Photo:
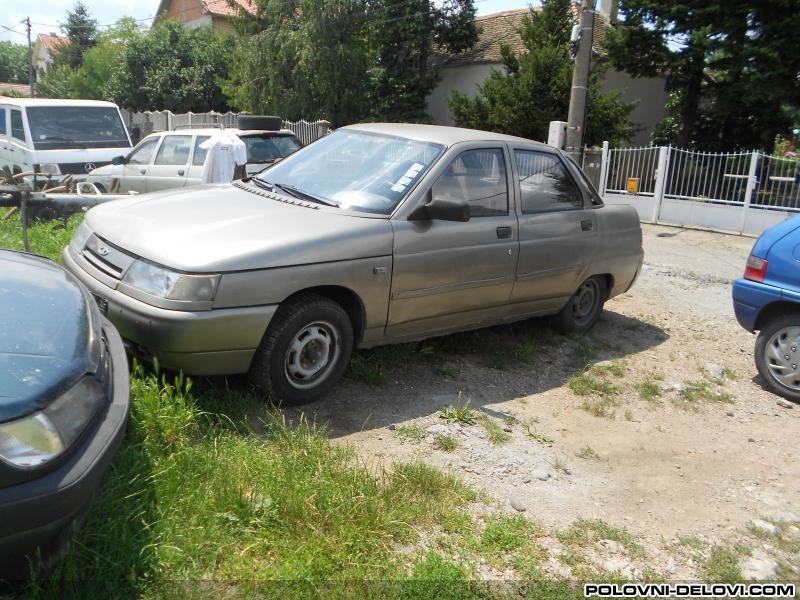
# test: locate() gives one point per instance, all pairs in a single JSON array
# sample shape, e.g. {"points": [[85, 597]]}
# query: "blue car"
{"points": [[767, 299]]}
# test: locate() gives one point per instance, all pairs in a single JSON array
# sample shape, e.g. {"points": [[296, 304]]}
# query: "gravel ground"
{"points": [[682, 447]]}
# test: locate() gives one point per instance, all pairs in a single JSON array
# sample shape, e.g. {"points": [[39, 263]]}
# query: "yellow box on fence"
{"points": [[633, 185]]}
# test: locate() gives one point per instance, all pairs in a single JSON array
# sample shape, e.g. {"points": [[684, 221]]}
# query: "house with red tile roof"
{"points": [[47, 44], [199, 13]]}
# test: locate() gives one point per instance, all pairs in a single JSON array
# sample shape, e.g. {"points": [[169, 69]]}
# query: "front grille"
{"points": [[106, 258], [80, 168]]}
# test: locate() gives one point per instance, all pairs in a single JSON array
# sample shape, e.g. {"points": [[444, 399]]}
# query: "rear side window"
{"points": [[17, 128], [2, 121], [174, 150], [199, 153], [544, 183]]}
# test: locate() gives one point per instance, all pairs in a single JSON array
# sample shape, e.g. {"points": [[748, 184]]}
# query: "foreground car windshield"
{"points": [[356, 170]]}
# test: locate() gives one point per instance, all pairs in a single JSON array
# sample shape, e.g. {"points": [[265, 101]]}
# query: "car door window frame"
{"points": [[161, 146], [12, 134], [196, 147], [157, 141], [582, 196], [419, 194]]}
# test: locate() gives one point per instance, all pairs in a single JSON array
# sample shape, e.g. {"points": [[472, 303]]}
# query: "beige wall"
{"points": [[464, 78], [184, 10], [648, 93], [651, 100]]}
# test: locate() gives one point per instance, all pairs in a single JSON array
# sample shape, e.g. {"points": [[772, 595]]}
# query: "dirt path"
{"points": [[691, 460]]}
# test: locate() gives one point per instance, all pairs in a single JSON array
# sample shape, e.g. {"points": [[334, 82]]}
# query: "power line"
{"points": [[14, 30]]}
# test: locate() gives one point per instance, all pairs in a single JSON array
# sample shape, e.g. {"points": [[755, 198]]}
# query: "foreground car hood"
{"points": [[44, 333], [222, 227]]}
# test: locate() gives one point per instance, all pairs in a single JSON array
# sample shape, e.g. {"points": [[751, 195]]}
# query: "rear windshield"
{"points": [[57, 127], [266, 148]]}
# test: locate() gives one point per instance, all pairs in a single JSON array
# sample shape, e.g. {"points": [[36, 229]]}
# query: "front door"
{"points": [[130, 177], [450, 275], [557, 230]]}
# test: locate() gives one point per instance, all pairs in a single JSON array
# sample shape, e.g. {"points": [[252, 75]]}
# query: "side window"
{"points": [[199, 153], [142, 154], [545, 183], [2, 121], [174, 150], [17, 129], [479, 177]]}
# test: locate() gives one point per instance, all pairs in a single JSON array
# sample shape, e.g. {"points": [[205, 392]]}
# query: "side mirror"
{"points": [[118, 160], [441, 209]]}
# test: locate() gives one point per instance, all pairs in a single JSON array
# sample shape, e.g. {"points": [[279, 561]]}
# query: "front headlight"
{"points": [[48, 169], [42, 436], [80, 237], [168, 284]]}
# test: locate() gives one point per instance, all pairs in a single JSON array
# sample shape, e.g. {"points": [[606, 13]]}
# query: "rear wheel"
{"points": [[305, 351], [583, 308], [777, 356]]}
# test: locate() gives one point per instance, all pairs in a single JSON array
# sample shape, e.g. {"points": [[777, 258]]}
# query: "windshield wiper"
{"points": [[58, 138], [298, 193]]}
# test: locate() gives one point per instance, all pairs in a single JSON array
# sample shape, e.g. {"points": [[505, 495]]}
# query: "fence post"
{"points": [[661, 182], [750, 189], [603, 169]]}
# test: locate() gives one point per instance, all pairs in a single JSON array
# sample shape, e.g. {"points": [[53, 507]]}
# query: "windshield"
{"points": [[356, 170], [55, 127], [266, 148]]}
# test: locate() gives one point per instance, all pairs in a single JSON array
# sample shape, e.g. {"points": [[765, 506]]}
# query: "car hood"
{"points": [[235, 227], [45, 333]]}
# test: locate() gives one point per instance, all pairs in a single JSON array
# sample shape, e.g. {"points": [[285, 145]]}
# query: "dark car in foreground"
{"points": [[64, 396], [767, 299]]}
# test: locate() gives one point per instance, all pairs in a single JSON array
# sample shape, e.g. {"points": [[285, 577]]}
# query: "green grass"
{"points": [[459, 413], [722, 565], [494, 432], [446, 443], [588, 453], [648, 390], [586, 384], [587, 531], [412, 432], [46, 239], [697, 392]]}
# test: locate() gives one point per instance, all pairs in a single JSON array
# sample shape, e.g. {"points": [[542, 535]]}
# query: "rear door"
{"points": [[171, 165], [194, 175], [557, 229]]}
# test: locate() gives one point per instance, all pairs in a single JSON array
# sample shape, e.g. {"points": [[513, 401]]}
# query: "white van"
{"points": [[59, 137]]}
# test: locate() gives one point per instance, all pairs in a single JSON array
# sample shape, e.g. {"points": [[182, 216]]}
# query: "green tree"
{"points": [[13, 63], [345, 60], [732, 68], [534, 86], [173, 68], [81, 31]]}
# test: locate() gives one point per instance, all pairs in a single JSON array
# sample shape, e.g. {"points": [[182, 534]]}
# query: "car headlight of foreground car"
{"points": [[44, 435], [164, 283]]}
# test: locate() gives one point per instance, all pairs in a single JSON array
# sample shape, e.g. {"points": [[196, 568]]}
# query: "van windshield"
{"points": [[56, 127]]}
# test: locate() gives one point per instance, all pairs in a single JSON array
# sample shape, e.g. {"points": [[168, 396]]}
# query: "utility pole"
{"points": [[580, 81], [30, 54]]}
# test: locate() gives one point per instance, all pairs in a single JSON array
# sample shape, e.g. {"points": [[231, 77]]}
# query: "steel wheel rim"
{"points": [[585, 301], [782, 357], [312, 354]]}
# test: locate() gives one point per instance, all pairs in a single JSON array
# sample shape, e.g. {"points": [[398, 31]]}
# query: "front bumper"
{"points": [[37, 517], [209, 342], [750, 298]]}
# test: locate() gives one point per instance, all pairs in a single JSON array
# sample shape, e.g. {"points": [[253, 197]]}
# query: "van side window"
{"points": [[2, 121], [17, 129]]}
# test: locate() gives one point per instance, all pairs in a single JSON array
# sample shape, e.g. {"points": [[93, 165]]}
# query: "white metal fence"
{"points": [[745, 192], [141, 124]]}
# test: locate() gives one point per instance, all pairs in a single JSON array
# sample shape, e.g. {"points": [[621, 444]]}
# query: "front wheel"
{"points": [[777, 356], [583, 308], [304, 352]]}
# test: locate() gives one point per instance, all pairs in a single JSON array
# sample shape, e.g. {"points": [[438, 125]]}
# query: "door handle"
{"points": [[586, 225], [504, 232], [142, 171], [181, 172]]}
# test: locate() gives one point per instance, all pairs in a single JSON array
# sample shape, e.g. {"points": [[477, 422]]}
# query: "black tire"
{"points": [[267, 123], [583, 309], [316, 324], [779, 338]]}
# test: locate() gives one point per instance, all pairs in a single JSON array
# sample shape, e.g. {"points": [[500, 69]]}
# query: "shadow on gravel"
{"points": [[393, 384]]}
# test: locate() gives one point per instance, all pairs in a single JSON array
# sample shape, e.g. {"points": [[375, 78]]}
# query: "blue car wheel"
{"points": [[777, 355]]}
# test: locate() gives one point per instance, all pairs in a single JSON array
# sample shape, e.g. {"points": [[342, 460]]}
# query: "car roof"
{"points": [[26, 102], [213, 130], [440, 134]]}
